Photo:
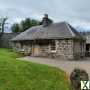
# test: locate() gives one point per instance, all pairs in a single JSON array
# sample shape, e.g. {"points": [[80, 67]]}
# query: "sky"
{"points": [[76, 12]]}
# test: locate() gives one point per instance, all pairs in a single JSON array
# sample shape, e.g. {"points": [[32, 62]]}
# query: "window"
{"points": [[53, 45]]}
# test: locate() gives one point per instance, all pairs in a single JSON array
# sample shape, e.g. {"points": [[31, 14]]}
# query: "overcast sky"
{"points": [[76, 12]]}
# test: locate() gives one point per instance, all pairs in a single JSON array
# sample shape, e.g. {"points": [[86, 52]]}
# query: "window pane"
{"points": [[53, 46]]}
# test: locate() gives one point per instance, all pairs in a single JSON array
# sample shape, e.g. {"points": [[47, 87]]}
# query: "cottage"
{"points": [[87, 36], [59, 40]]}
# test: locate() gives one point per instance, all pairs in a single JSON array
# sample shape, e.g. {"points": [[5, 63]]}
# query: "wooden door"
{"points": [[36, 50]]}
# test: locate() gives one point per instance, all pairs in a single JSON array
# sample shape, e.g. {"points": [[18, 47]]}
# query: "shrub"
{"points": [[76, 76]]}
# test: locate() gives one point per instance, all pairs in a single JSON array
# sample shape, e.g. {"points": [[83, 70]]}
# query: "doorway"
{"points": [[88, 50], [36, 50]]}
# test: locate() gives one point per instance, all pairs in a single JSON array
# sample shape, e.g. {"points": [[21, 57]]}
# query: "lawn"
{"points": [[21, 75]]}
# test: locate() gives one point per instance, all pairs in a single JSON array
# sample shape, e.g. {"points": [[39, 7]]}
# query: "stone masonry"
{"points": [[64, 49]]}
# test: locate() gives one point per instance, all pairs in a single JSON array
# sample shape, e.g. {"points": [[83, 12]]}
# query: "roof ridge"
{"points": [[54, 31], [73, 34]]}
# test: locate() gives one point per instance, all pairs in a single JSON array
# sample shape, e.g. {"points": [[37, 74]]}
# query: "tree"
{"points": [[27, 23], [34, 22], [24, 25], [15, 28], [2, 24]]}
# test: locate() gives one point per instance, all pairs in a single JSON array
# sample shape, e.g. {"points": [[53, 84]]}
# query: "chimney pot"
{"points": [[46, 21]]}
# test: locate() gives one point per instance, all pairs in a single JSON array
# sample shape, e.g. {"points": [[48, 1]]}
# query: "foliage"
{"points": [[15, 28], [76, 76], [22, 75], [24, 25], [2, 24], [27, 23]]}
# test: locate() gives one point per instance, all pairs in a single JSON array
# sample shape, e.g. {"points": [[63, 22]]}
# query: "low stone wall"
{"points": [[5, 39]]}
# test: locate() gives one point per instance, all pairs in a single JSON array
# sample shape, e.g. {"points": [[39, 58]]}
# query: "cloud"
{"points": [[73, 11]]}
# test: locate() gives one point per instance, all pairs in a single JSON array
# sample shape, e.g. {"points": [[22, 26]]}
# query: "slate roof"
{"points": [[60, 30]]}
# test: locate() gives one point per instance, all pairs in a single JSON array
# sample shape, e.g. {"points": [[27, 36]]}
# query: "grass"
{"points": [[21, 75]]}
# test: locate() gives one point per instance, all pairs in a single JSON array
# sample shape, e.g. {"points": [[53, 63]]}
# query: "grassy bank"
{"points": [[20, 75]]}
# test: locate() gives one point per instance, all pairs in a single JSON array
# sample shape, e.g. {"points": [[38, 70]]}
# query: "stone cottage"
{"points": [[87, 36], [59, 40]]}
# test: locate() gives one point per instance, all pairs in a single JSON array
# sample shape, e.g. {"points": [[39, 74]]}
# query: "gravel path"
{"points": [[65, 65]]}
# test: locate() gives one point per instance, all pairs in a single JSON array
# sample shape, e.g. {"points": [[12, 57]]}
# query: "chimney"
{"points": [[46, 21]]}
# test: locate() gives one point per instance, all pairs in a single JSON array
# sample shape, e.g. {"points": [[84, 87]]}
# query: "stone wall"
{"points": [[44, 50], [79, 49], [5, 39], [64, 49]]}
